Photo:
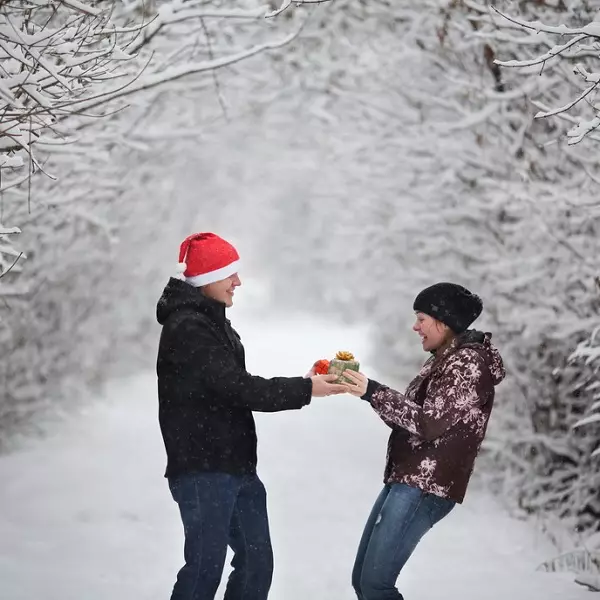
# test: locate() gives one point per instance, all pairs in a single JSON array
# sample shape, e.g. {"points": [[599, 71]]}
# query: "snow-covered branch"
{"points": [[153, 80], [53, 56], [573, 50], [179, 11], [590, 30], [285, 4], [103, 81], [588, 353]]}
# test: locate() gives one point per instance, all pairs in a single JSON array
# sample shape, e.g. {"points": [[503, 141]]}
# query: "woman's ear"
{"points": [[441, 327]]}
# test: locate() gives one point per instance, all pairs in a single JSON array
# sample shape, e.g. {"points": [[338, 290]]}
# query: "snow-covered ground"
{"points": [[86, 515]]}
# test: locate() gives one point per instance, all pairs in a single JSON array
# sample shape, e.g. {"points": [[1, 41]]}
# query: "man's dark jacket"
{"points": [[206, 396]]}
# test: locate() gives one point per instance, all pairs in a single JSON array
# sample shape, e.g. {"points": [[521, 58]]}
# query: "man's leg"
{"points": [[206, 502], [365, 539], [251, 542], [407, 514]]}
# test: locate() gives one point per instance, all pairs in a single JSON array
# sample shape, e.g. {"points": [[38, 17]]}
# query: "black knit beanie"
{"points": [[450, 303]]}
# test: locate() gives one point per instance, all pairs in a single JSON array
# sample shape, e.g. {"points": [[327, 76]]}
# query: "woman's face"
{"points": [[432, 332]]}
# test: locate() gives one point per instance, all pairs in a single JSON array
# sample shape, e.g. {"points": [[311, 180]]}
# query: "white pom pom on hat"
{"points": [[180, 270], [206, 258]]}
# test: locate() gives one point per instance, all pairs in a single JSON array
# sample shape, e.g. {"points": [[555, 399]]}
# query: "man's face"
{"points": [[222, 291]]}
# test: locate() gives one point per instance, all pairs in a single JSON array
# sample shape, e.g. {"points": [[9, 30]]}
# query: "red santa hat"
{"points": [[205, 258]]}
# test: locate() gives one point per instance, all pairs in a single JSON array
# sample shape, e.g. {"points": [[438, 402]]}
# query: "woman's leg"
{"points": [[364, 541], [407, 514]]}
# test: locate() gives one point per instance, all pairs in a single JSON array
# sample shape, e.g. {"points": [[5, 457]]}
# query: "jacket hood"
{"points": [[179, 295], [482, 342]]}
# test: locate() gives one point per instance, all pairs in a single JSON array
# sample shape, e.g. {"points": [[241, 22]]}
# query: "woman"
{"points": [[438, 426]]}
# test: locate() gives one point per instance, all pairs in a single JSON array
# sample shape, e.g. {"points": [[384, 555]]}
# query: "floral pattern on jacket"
{"points": [[439, 423]]}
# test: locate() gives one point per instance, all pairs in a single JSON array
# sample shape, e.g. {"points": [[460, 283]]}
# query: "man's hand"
{"points": [[311, 373], [358, 387], [322, 386]]}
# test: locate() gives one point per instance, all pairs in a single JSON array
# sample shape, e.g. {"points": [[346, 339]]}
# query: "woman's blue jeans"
{"points": [[400, 517]]}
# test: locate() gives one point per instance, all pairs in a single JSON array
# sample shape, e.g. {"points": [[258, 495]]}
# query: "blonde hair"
{"points": [[449, 334]]}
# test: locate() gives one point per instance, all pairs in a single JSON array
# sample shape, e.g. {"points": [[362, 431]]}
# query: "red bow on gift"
{"points": [[321, 367]]}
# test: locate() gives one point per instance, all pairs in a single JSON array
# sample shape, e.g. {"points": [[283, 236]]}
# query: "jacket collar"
{"points": [[179, 295], [214, 310]]}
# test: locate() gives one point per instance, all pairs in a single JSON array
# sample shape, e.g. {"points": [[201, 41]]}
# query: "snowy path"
{"points": [[86, 514]]}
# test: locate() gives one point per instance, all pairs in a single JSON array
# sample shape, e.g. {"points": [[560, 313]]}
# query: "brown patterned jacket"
{"points": [[438, 425]]}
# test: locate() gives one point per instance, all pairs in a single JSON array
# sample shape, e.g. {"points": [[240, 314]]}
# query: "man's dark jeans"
{"points": [[220, 510], [400, 518]]}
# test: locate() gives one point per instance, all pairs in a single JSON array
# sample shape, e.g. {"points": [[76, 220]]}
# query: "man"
{"points": [[206, 399]]}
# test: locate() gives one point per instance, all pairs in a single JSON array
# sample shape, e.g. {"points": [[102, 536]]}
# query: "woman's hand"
{"points": [[359, 382]]}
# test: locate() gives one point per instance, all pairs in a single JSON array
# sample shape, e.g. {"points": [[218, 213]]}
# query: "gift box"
{"points": [[342, 362]]}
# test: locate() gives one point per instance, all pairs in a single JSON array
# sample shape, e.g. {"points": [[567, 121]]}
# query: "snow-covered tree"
{"points": [[96, 233], [414, 158], [384, 149], [55, 57]]}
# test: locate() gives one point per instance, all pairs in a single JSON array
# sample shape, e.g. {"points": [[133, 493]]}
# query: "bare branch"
{"points": [[11, 266]]}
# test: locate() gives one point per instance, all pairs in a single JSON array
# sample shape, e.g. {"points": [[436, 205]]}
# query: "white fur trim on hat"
{"points": [[213, 276], [179, 270]]}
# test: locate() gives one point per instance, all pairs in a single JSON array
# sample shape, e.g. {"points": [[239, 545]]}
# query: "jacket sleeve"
{"points": [[372, 386], [448, 398], [207, 363]]}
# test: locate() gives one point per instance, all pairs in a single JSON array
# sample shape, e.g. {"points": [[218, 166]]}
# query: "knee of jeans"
{"points": [[263, 559], [370, 589], [255, 557], [212, 577]]}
